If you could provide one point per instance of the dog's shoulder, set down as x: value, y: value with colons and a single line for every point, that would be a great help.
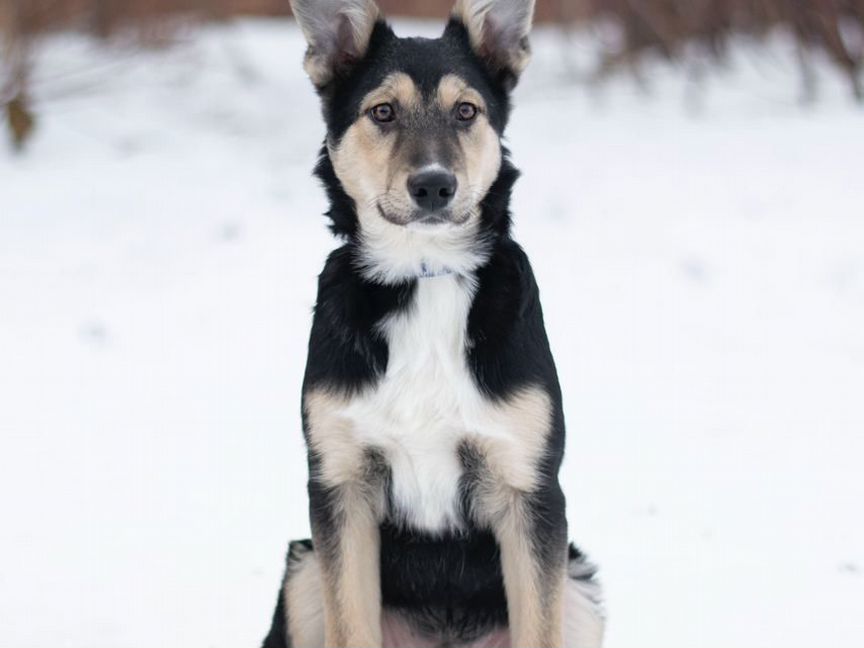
x: 509, y: 347
x: 345, y: 346
x: 506, y: 286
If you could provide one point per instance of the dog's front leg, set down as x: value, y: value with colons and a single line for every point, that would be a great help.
x: 513, y: 490
x: 529, y: 522
x: 346, y: 536
x: 531, y: 532
x: 346, y: 502
x: 533, y: 541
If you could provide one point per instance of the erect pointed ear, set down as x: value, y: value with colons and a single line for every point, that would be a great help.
x: 499, y: 30
x: 338, y: 33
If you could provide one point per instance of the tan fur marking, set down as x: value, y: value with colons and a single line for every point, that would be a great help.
x: 304, y: 604
x: 331, y: 437
x: 396, y: 88
x: 482, y: 150
x: 453, y: 89
x: 318, y: 68
x: 352, y: 601
x: 512, y: 460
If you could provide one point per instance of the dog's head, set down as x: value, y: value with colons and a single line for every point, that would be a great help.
x: 414, y: 125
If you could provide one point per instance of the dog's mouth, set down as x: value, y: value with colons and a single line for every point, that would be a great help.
x: 432, y: 218
x: 424, y: 218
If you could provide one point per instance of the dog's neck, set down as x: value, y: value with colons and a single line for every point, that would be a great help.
x: 390, y: 254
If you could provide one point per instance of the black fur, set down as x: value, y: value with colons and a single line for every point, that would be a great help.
x: 345, y: 350
x: 450, y: 585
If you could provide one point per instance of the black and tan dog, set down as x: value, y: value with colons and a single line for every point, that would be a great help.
x: 431, y: 406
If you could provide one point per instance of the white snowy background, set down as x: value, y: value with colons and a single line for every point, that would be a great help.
x: 699, y: 244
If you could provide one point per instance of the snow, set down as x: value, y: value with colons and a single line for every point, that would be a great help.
x: 698, y: 242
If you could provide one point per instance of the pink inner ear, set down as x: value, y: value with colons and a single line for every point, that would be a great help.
x: 344, y: 46
x: 398, y: 633
x: 500, y: 41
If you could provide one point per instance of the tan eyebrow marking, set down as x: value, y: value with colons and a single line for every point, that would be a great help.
x: 453, y: 89
x: 396, y: 87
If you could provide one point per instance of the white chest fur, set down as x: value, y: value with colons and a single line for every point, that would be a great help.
x: 426, y: 404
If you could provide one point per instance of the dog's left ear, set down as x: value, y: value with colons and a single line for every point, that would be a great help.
x: 499, y: 30
x: 338, y: 33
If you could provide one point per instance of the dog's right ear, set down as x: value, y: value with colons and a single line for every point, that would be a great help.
x: 338, y: 33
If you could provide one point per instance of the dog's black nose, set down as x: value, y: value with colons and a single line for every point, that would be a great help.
x: 432, y: 190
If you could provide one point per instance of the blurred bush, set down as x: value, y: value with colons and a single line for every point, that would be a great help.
x: 668, y: 28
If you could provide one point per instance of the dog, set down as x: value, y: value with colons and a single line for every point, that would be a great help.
x: 431, y: 407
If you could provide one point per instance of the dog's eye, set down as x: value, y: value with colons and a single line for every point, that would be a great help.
x: 466, y: 111
x: 383, y: 113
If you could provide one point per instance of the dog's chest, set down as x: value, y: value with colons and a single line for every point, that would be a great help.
x: 426, y: 404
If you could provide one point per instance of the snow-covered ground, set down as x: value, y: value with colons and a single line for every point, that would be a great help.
x: 700, y: 249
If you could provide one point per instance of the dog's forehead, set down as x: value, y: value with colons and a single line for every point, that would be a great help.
x: 426, y: 61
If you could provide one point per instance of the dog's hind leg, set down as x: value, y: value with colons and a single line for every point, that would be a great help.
x: 299, y: 617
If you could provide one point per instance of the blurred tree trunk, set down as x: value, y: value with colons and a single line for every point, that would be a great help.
x: 15, y: 71
x: 102, y: 17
